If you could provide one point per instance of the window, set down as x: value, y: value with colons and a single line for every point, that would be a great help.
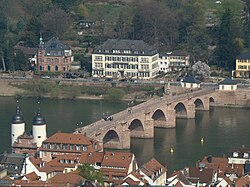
x: 98, y: 58
x: 84, y: 148
x: 235, y: 154
x: 45, y: 146
x: 78, y: 147
x: 65, y: 146
x: 71, y: 147
x: 51, y: 146
x: 39, y: 136
x: 245, y: 155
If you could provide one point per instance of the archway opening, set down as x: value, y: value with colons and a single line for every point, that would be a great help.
x: 136, y: 129
x: 211, y: 100
x: 111, y: 139
x: 198, y: 104
x: 159, y: 118
x: 181, y: 111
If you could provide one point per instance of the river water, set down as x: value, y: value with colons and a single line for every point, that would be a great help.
x: 221, y: 129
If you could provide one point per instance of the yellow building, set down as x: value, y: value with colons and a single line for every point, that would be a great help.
x: 242, y: 66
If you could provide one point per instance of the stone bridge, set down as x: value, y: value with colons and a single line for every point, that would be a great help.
x: 140, y: 120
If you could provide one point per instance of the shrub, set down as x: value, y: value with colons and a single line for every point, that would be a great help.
x: 115, y: 94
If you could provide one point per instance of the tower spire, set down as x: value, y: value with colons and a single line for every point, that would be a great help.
x: 41, y: 43
x: 39, y: 127
x: 17, y: 125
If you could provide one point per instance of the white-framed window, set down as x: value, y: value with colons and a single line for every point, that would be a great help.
x: 78, y: 147
x: 245, y: 155
x: 235, y: 154
x: 84, y: 148
x: 45, y: 145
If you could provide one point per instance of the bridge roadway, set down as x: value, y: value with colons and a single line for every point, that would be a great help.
x: 156, y: 112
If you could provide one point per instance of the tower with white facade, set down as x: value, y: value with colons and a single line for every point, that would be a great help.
x: 17, y: 125
x: 39, y: 128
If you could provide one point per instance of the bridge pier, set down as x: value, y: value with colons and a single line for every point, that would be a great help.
x: 170, y: 121
x: 123, y: 143
x: 206, y: 104
x: 149, y: 130
x: 190, y: 111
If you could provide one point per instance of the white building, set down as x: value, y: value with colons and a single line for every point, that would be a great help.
x: 176, y: 60
x: 227, y: 85
x: 125, y: 59
x: 190, y: 82
x: 154, y: 173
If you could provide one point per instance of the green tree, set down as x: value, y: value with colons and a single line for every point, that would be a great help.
x: 20, y: 61
x: 66, y: 4
x: 247, y: 24
x: 155, y: 24
x: 38, y: 8
x: 91, y: 174
x: 32, y: 32
x: 191, y: 16
x: 229, y: 39
x: 123, y: 25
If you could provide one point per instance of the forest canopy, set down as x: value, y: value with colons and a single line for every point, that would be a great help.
x: 196, y: 26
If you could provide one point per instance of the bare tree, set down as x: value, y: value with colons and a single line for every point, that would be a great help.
x: 155, y: 23
x: 55, y: 22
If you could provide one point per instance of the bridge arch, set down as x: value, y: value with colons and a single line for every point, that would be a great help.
x: 111, y: 139
x: 198, y: 104
x: 211, y: 100
x: 136, y: 128
x: 159, y: 118
x: 181, y: 111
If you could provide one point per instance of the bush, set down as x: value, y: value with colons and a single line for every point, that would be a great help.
x: 115, y: 94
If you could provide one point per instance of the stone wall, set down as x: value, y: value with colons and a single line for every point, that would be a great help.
x: 237, y: 98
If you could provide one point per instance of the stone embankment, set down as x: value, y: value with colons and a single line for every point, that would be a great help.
x: 6, y: 89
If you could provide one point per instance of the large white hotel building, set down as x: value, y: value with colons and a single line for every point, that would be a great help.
x: 125, y: 59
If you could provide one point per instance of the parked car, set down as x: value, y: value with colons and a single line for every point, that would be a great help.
x: 45, y: 77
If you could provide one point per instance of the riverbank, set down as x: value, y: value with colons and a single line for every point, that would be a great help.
x: 71, y: 90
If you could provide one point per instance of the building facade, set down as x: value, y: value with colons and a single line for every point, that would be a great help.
x: 242, y: 66
x: 67, y: 143
x: 125, y: 59
x: 54, y: 56
x: 176, y: 60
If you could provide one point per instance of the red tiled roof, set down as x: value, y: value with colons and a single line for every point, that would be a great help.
x: 152, y: 168
x: 32, y: 176
x: 68, y: 138
x: 243, y: 181
x: 66, y: 178
x: 91, y: 158
x: 32, y: 183
x: 117, y: 159
x: 204, y: 175
x: 131, y: 182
